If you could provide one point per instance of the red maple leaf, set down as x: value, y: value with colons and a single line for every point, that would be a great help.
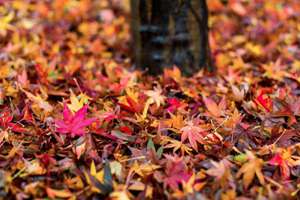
x: 6, y: 122
x: 27, y: 115
x: 193, y: 133
x: 174, y: 104
x: 278, y: 160
x: 133, y: 106
x: 176, y: 172
x: 73, y: 124
x: 264, y: 101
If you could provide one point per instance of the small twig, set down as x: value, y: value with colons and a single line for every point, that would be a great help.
x: 226, y: 118
x: 18, y: 173
x: 77, y: 84
x: 273, y: 182
x: 236, y: 150
x: 279, y: 137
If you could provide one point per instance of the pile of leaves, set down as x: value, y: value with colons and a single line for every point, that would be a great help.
x: 78, y: 122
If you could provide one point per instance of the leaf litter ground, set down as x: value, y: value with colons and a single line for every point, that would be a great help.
x: 78, y: 122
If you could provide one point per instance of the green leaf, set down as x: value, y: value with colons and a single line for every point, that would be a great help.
x: 150, y: 145
x: 123, y: 136
x: 159, y: 152
x: 241, y: 158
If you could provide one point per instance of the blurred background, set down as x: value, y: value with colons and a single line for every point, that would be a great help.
x: 63, y: 36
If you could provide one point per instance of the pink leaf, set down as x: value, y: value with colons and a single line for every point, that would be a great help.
x: 176, y: 172
x: 73, y: 124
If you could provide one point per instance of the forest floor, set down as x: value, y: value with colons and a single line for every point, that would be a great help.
x: 78, y: 122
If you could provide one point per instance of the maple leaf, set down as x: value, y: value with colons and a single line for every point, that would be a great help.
x: 274, y: 70
x: 77, y: 102
x: 156, y: 97
x: 284, y: 159
x: 238, y: 95
x: 176, y: 145
x: 46, y: 159
x: 5, y: 23
x: 173, y: 73
x: 176, y: 172
x: 174, y: 104
x: 238, y: 8
x: 99, y: 181
x: 251, y: 168
x: 42, y: 73
x: 117, y: 195
x: 39, y: 103
x: 6, y: 122
x: 176, y: 121
x: 109, y: 116
x: 23, y: 79
x: 73, y: 124
x: 143, y: 169
x: 265, y: 102
x: 130, y: 102
x: 33, y: 167
x: 27, y: 115
x: 281, y: 162
x: 193, y: 133
x: 234, y: 119
x: 214, y: 109
x: 221, y: 171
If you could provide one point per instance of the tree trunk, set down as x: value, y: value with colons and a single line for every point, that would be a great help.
x: 170, y: 32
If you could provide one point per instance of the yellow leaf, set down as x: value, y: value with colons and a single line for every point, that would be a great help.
x: 77, y: 102
x: 222, y: 60
x: 250, y: 169
x: 176, y: 121
x: 33, y: 168
x: 98, y: 175
x: 274, y: 71
x: 28, y: 23
x: 229, y: 195
x: 233, y: 120
x: 74, y: 183
x: 144, y: 169
x: 4, y: 23
x: 139, y: 186
x: 146, y: 108
x: 255, y: 49
x: 296, y: 65
x: 4, y: 71
x: 188, y: 186
x: 176, y: 145
x: 93, y: 169
x: 9, y: 88
x: 39, y: 101
x: 132, y: 94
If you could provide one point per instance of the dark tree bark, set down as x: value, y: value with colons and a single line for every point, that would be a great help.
x: 170, y: 32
